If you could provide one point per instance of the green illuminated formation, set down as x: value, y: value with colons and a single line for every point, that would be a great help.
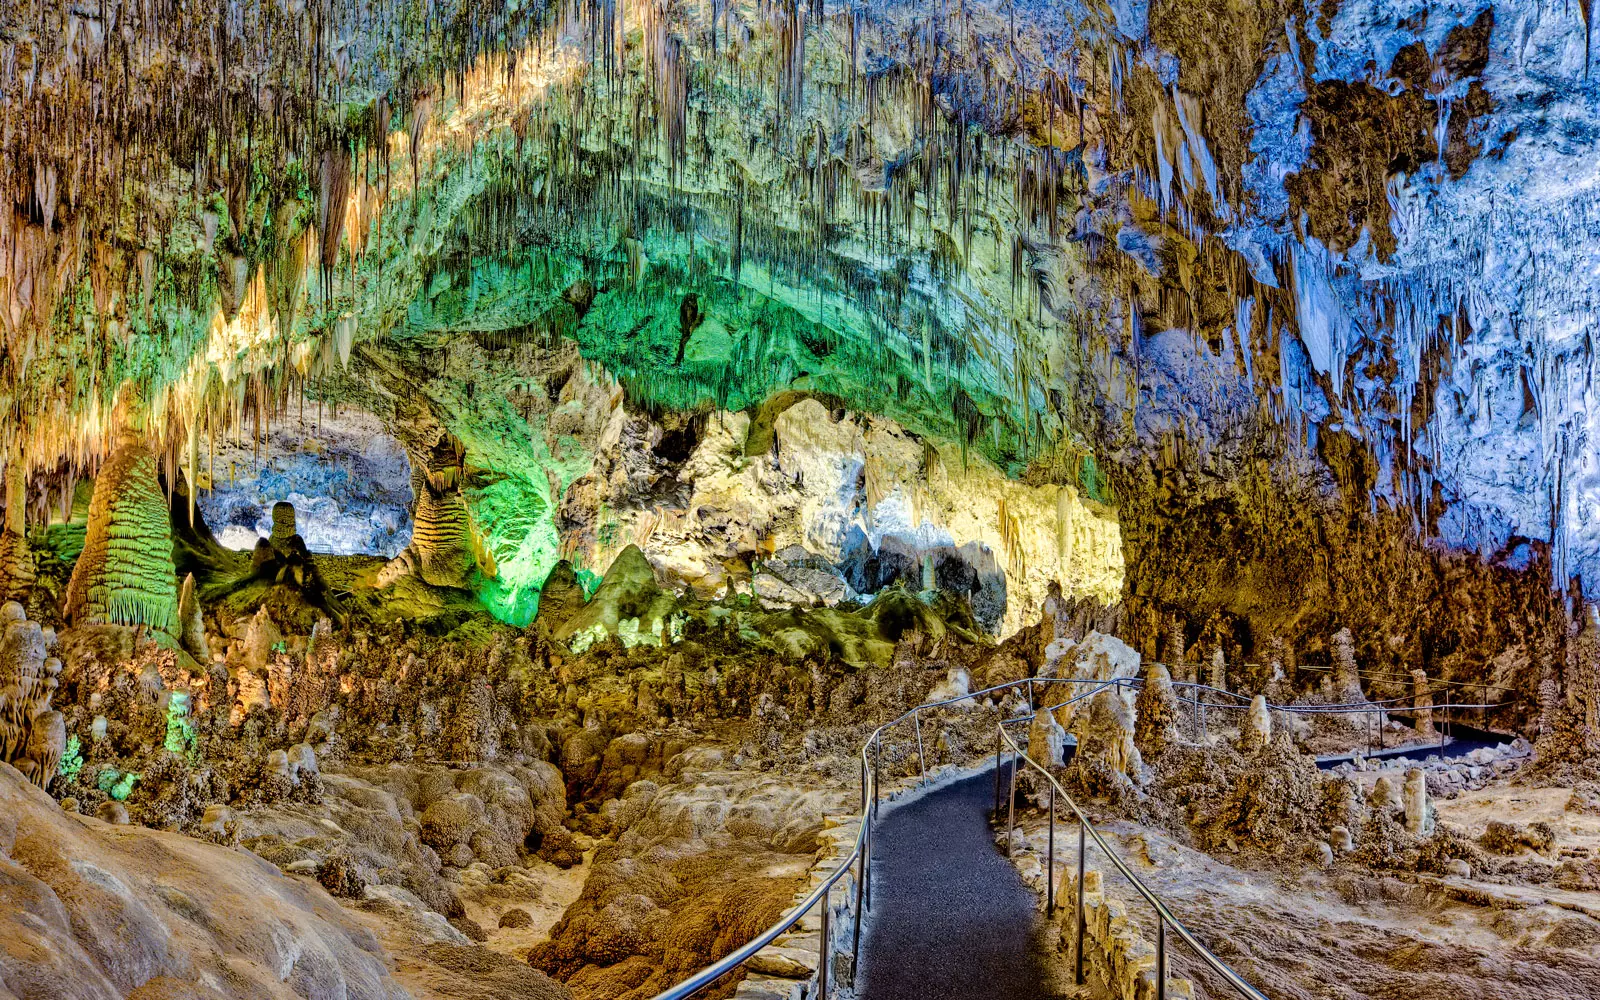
x: 124, y: 575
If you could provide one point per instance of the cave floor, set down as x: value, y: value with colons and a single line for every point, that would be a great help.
x: 1347, y: 932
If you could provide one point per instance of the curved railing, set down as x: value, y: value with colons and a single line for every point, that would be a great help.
x: 860, y: 856
x: 1164, y: 916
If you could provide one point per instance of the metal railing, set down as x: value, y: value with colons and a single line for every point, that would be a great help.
x: 860, y: 856
x: 1375, y: 710
x: 1087, y: 832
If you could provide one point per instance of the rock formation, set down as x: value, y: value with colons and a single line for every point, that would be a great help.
x: 1344, y: 682
x: 1155, y: 712
x: 1422, y: 702
x: 17, y: 572
x: 125, y: 574
x: 32, y: 735
x: 1256, y: 732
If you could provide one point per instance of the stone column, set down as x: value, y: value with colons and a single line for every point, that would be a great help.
x: 1175, y: 650
x: 284, y: 525
x: 17, y: 571
x: 1422, y: 700
x: 1219, y: 670
x: 1345, y: 681
x: 1257, y: 729
x: 1419, y: 813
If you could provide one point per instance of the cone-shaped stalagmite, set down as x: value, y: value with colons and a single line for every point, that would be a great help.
x: 193, y: 637
x: 16, y: 559
x: 125, y: 574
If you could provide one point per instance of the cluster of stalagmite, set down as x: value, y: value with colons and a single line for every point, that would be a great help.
x: 32, y: 734
x: 125, y: 575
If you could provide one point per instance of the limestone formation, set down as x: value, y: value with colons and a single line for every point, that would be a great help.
x: 124, y: 575
x: 1106, y: 750
x: 1218, y: 678
x: 1176, y: 650
x: 1344, y: 683
x: 1046, y: 740
x: 1256, y: 732
x: 1418, y: 810
x: 444, y: 549
x: 1386, y: 795
x: 17, y: 573
x: 283, y: 525
x: 192, y: 626
x: 1156, y: 712
x: 32, y: 734
x: 1422, y: 702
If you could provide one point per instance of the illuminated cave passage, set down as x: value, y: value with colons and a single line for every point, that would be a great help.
x: 349, y: 482
x: 477, y: 475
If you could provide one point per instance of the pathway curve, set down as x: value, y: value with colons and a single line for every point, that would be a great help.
x: 951, y: 919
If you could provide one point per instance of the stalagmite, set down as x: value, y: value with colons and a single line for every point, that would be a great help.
x: 125, y: 574
x: 1219, y: 670
x: 1385, y: 795
x: 283, y: 525
x: 17, y: 572
x: 1176, y: 652
x: 192, y: 625
x: 443, y: 549
x: 1156, y: 712
x: 1419, y: 812
x: 1257, y: 729
x: 32, y: 734
x: 1344, y: 683
x: 1422, y: 701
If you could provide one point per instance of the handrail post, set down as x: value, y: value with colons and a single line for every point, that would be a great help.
x: 824, y: 946
x: 855, y: 943
x: 866, y: 867
x: 997, y: 740
x: 1030, y: 694
x: 1161, y: 959
x: 877, y: 759
x: 1011, y: 804
x: 1050, y: 864
x: 1078, y: 931
x: 922, y: 760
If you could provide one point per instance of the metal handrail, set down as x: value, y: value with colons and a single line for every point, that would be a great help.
x: 1164, y: 916
x: 860, y: 852
x: 859, y: 856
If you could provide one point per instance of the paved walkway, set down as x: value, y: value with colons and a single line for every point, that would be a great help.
x: 951, y: 918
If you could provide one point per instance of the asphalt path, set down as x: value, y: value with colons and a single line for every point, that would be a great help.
x: 951, y: 919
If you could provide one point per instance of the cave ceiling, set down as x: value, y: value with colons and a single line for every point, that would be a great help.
x: 1270, y: 266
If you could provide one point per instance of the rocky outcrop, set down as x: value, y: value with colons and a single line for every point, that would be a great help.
x: 715, y: 857
x: 142, y: 913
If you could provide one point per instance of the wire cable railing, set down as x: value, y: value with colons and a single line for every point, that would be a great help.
x: 859, y: 859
